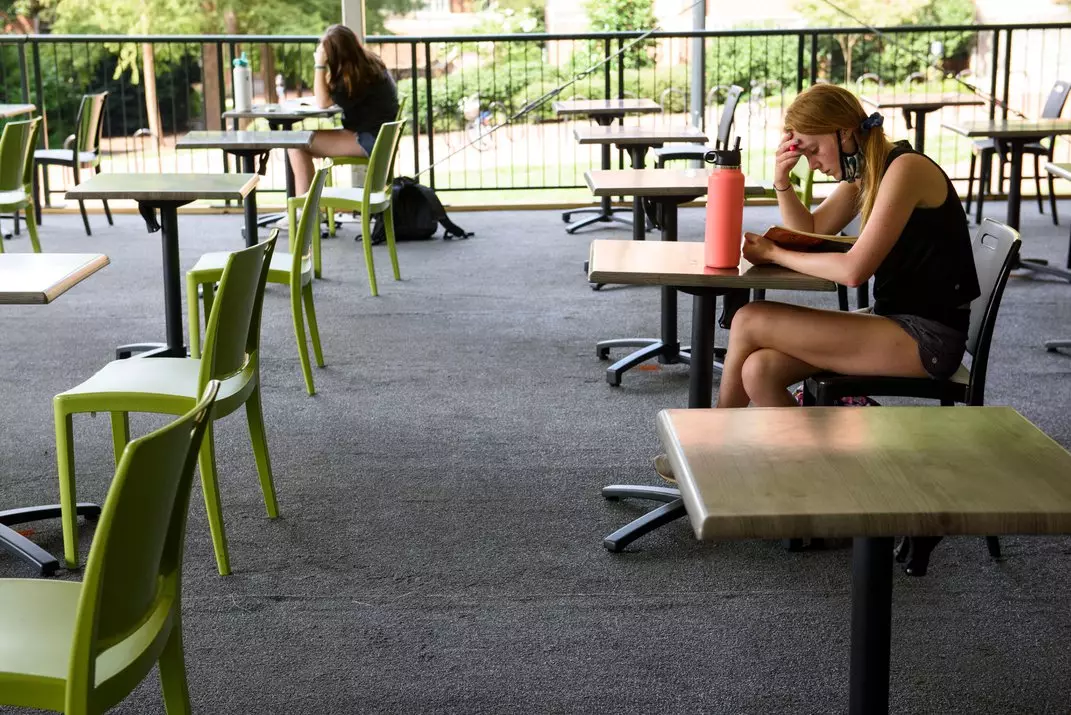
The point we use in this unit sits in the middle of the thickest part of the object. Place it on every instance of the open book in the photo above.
(803, 241)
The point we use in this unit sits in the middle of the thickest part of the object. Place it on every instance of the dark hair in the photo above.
(349, 64)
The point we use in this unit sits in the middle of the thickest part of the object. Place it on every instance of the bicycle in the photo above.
(480, 125)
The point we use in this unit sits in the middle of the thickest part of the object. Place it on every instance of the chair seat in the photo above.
(167, 385)
(680, 151)
(987, 144)
(351, 196)
(65, 156)
(212, 264)
(37, 620)
(954, 387)
(17, 197)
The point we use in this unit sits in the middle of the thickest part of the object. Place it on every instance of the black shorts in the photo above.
(941, 347)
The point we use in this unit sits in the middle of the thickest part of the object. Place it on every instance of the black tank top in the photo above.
(930, 270)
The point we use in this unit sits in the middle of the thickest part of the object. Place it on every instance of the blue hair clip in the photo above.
(874, 120)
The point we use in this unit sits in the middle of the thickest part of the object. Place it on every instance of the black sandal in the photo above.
(914, 552)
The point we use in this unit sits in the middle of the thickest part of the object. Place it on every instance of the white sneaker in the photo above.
(283, 224)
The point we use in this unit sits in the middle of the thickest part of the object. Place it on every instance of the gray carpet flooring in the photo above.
(439, 548)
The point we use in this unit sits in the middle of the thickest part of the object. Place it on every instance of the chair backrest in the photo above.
(232, 335)
(16, 154)
(802, 177)
(308, 224)
(90, 122)
(1054, 104)
(131, 592)
(995, 247)
(728, 112)
(403, 102)
(381, 163)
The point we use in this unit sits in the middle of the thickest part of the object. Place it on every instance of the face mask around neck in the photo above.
(851, 165)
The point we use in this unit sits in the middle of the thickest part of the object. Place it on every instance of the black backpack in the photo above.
(417, 214)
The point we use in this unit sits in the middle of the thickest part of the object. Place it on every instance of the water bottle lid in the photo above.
(723, 156)
(240, 61)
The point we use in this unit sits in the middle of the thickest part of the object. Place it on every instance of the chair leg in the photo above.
(299, 333)
(993, 544)
(983, 181)
(193, 314)
(31, 228)
(316, 255)
(970, 183)
(15, 220)
(388, 226)
(331, 228)
(255, 417)
(44, 185)
(862, 295)
(107, 211)
(314, 329)
(120, 434)
(1037, 184)
(172, 663)
(842, 297)
(210, 486)
(36, 190)
(65, 464)
(366, 242)
(1052, 201)
(85, 218)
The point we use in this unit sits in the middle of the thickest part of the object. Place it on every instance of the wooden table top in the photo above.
(38, 278)
(885, 471)
(1061, 170)
(680, 263)
(613, 107)
(928, 100)
(1009, 128)
(616, 134)
(286, 110)
(165, 187)
(248, 141)
(657, 182)
(13, 110)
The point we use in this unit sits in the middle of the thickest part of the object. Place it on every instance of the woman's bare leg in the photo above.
(301, 165)
(325, 143)
(772, 345)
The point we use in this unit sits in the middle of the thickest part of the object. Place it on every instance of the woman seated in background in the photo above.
(914, 242)
(356, 80)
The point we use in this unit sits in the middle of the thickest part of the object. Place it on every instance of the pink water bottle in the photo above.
(725, 208)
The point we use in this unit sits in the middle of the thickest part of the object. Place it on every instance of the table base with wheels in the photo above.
(604, 212)
(11, 540)
(700, 390)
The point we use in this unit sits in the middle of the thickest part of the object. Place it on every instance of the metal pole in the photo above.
(699, 64)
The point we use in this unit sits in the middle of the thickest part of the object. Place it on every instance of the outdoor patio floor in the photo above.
(439, 548)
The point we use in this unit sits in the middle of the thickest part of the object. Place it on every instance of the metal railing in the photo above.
(459, 87)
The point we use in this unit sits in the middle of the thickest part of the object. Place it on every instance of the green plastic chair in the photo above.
(80, 648)
(172, 385)
(373, 198)
(16, 173)
(293, 268)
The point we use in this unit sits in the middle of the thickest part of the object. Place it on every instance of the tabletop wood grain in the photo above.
(657, 182)
(593, 107)
(627, 134)
(246, 140)
(38, 278)
(929, 100)
(680, 263)
(1009, 128)
(165, 187)
(14, 110)
(885, 471)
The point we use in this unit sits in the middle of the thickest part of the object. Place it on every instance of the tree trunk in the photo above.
(152, 106)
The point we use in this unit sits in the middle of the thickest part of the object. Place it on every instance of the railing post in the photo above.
(801, 41)
(23, 76)
(995, 62)
(39, 90)
(415, 109)
(814, 58)
(431, 115)
(606, 65)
